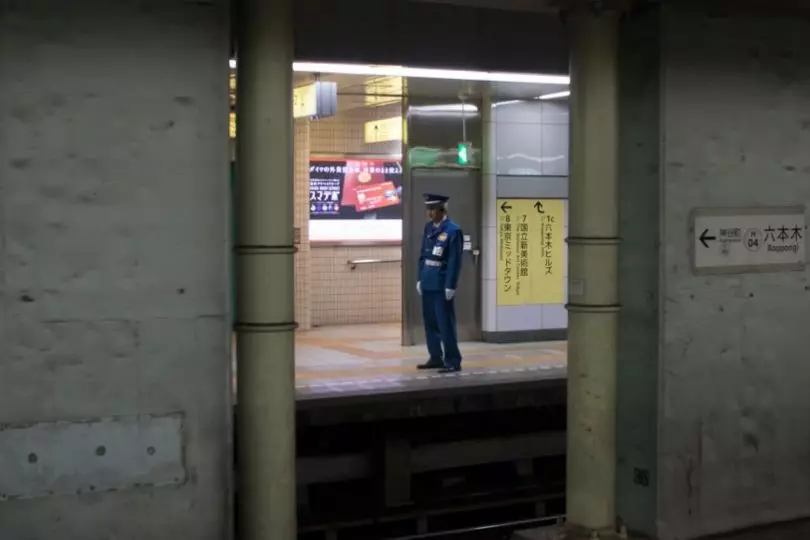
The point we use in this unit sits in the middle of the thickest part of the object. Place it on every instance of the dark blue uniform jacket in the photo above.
(440, 258)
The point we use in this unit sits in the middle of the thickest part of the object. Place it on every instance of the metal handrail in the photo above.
(352, 264)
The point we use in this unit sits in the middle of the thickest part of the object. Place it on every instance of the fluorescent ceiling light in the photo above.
(555, 95)
(510, 102)
(425, 73)
(450, 107)
(544, 97)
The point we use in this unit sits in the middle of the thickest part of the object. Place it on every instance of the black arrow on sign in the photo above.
(704, 237)
(505, 207)
(539, 207)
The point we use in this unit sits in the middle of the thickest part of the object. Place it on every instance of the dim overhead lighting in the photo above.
(425, 73)
(555, 95)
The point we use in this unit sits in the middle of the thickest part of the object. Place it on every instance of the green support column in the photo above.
(593, 292)
(265, 325)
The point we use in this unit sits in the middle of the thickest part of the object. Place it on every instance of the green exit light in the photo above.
(463, 153)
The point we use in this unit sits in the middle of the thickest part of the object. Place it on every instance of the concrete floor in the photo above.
(351, 360)
(368, 359)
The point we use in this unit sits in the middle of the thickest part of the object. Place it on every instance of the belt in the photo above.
(433, 263)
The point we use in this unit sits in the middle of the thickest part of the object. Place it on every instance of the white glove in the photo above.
(419, 288)
(449, 294)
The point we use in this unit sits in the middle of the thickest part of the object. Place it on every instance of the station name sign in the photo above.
(748, 240)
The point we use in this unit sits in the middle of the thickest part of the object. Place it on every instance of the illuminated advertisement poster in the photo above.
(355, 198)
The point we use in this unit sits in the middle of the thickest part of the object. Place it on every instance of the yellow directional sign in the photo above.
(305, 101)
(387, 129)
(383, 91)
(531, 251)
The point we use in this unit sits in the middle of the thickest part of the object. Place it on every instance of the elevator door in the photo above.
(464, 189)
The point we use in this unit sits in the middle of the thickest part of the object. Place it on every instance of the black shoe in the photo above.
(430, 364)
(450, 369)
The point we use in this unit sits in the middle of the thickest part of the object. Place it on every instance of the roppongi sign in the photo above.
(747, 240)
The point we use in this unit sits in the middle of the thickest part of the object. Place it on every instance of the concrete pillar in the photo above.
(265, 325)
(593, 293)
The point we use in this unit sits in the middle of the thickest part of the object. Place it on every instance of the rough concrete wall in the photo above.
(734, 439)
(113, 269)
(639, 193)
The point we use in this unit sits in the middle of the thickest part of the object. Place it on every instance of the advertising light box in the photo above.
(355, 199)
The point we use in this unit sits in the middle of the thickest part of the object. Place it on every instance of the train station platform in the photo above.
(386, 450)
(346, 361)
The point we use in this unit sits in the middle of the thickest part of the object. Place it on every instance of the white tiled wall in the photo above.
(344, 133)
(328, 291)
(371, 293)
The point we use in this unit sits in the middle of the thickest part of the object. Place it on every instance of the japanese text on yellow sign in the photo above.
(305, 101)
(531, 251)
(387, 129)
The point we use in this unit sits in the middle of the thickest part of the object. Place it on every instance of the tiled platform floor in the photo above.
(368, 359)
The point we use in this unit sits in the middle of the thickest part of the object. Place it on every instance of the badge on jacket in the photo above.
(437, 251)
(443, 236)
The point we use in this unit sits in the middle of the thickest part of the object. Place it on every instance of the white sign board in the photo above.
(745, 240)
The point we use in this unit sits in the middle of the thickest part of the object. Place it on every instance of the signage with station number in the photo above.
(745, 240)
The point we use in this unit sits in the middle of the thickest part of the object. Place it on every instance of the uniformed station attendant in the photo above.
(439, 268)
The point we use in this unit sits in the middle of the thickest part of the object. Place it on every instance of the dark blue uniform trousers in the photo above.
(439, 316)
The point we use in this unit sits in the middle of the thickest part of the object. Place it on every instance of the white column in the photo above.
(265, 326)
(489, 221)
(593, 292)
